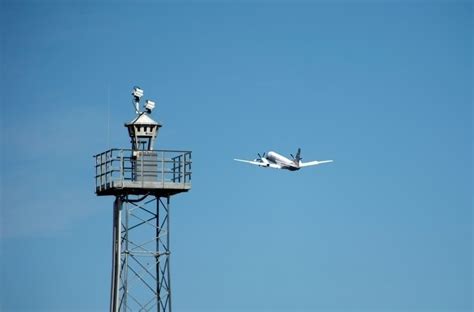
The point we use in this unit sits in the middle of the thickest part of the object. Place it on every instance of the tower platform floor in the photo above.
(142, 188)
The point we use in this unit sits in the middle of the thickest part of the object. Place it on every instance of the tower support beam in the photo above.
(141, 254)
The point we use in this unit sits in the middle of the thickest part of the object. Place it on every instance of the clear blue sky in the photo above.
(383, 88)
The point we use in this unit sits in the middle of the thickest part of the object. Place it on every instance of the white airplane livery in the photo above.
(277, 161)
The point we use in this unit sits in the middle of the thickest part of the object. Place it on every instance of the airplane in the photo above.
(277, 161)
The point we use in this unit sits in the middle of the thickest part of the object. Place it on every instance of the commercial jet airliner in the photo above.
(277, 161)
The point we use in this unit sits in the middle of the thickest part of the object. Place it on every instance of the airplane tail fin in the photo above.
(298, 153)
(297, 157)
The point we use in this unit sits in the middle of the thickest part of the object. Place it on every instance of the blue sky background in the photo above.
(383, 88)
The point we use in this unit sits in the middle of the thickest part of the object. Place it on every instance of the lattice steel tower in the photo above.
(142, 180)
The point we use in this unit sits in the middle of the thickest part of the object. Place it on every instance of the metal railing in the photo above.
(122, 165)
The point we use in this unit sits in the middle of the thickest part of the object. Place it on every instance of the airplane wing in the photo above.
(258, 163)
(314, 163)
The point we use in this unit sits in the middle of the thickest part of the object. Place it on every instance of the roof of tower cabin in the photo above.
(143, 119)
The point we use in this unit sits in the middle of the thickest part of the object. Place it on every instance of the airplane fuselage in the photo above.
(282, 161)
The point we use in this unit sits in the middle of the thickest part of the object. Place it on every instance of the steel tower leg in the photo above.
(116, 254)
(140, 269)
(163, 257)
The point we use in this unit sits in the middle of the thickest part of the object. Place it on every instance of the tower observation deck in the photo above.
(142, 180)
(159, 172)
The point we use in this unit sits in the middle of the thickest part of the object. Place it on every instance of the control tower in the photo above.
(142, 180)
